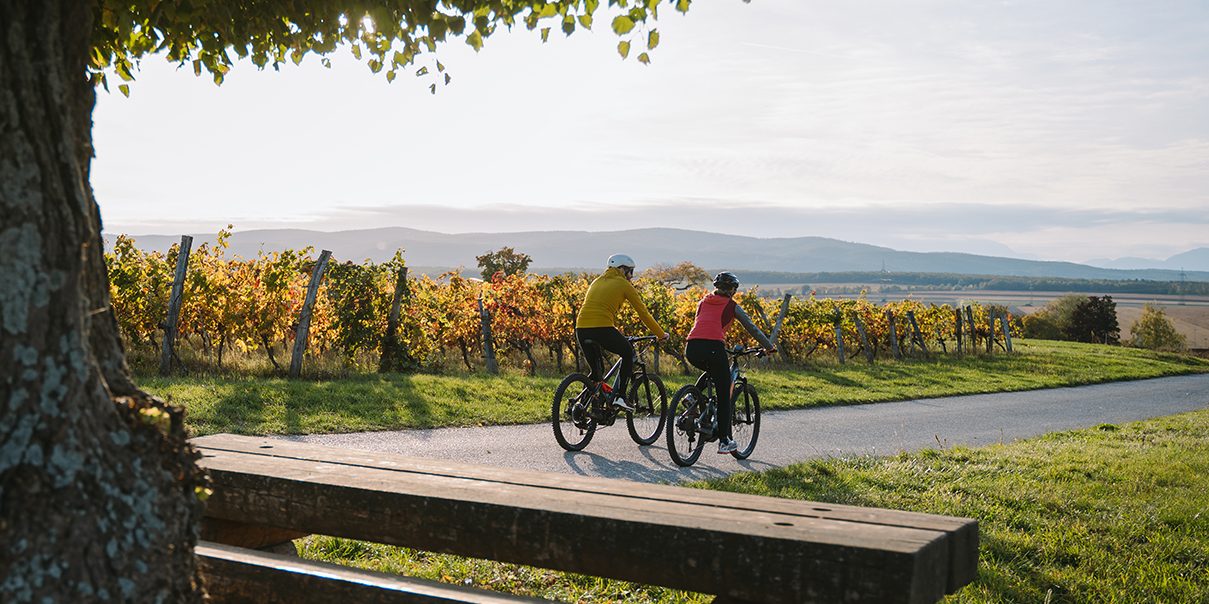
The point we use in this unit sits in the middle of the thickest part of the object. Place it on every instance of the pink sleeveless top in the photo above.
(714, 314)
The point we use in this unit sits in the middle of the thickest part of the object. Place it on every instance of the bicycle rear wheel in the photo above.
(684, 415)
(573, 426)
(649, 399)
(745, 427)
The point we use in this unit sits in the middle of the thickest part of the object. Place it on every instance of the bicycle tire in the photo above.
(684, 443)
(745, 427)
(649, 399)
(573, 427)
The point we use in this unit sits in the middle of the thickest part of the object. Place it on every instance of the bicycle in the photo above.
(693, 414)
(580, 406)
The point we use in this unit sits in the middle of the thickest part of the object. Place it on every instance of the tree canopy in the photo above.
(391, 35)
(1155, 331)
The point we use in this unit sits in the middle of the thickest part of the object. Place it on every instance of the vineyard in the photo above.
(232, 306)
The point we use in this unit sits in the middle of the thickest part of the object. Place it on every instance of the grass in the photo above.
(270, 405)
(1108, 514)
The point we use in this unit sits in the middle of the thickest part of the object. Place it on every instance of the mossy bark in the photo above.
(98, 486)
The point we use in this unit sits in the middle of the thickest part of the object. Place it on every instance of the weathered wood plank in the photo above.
(800, 550)
(235, 575)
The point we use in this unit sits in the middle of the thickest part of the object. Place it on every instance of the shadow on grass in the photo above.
(259, 406)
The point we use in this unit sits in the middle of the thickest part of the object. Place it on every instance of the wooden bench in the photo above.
(739, 547)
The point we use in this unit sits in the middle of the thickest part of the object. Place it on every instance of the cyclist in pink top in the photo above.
(706, 347)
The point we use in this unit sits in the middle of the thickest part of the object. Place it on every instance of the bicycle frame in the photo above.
(639, 365)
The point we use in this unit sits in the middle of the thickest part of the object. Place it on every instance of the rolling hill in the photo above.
(588, 250)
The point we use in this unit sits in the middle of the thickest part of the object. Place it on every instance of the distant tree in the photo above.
(100, 492)
(681, 276)
(1053, 322)
(1153, 330)
(1094, 320)
(1041, 325)
(504, 260)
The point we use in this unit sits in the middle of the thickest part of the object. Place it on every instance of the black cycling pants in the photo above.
(710, 357)
(592, 339)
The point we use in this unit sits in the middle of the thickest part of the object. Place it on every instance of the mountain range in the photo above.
(574, 250)
(1195, 260)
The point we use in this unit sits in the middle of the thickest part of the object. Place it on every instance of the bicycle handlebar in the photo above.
(642, 338)
(739, 351)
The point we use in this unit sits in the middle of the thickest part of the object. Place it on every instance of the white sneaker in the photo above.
(727, 445)
(621, 404)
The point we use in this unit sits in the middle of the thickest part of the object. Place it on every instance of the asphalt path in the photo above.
(787, 437)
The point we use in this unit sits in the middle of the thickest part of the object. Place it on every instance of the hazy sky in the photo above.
(1058, 130)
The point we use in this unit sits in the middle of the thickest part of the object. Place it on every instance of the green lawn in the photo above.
(1108, 514)
(257, 405)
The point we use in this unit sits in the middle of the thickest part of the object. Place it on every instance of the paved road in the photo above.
(790, 436)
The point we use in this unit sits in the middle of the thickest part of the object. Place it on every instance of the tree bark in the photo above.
(98, 486)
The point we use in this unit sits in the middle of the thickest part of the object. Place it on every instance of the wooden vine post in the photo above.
(839, 337)
(488, 347)
(174, 305)
(395, 356)
(915, 333)
(776, 330)
(958, 329)
(304, 318)
(1007, 331)
(990, 331)
(970, 327)
(860, 330)
(898, 353)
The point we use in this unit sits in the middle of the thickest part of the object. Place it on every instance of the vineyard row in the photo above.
(254, 305)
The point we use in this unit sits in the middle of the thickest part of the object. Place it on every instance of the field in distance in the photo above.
(1189, 314)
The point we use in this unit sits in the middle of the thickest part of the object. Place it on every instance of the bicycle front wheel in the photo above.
(569, 414)
(684, 415)
(649, 398)
(745, 427)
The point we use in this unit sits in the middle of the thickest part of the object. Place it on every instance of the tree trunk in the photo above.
(97, 481)
(268, 348)
(465, 355)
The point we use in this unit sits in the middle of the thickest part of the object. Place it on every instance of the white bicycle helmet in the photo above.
(621, 261)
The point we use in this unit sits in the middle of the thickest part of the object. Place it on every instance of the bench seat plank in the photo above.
(235, 575)
(796, 551)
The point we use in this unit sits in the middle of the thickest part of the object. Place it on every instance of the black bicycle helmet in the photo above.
(726, 280)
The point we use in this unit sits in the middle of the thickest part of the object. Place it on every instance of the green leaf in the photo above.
(652, 40)
(390, 76)
(585, 21)
(421, 71)
(545, 34)
(623, 48)
(125, 88)
(432, 88)
(447, 78)
(622, 25)
(357, 51)
(590, 5)
(644, 58)
(123, 69)
(375, 65)
(475, 40)
(682, 5)
(440, 67)
(568, 25)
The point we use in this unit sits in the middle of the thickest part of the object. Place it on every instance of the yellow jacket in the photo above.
(604, 299)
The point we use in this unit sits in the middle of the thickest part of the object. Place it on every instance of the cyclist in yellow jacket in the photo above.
(596, 325)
